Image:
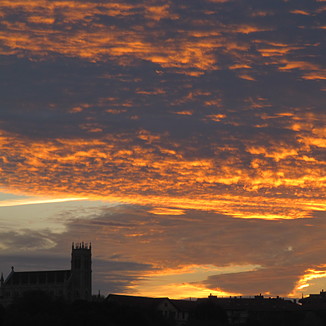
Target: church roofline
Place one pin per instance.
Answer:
(47, 272)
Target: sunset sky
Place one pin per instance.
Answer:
(184, 139)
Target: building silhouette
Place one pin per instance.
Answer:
(315, 301)
(213, 310)
(176, 311)
(71, 285)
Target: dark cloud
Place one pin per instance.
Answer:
(282, 250)
(26, 240)
(131, 245)
(280, 281)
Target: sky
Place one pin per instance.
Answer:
(184, 139)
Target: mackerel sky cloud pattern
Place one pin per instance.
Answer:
(178, 109)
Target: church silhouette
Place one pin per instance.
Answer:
(71, 285)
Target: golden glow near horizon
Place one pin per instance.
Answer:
(184, 282)
(306, 281)
(201, 124)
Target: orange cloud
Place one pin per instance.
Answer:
(300, 12)
(216, 117)
(302, 65)
(191, 51)
(247, 77)
(184, 113)
(315, 75)
(103, 42)
(247, 29)
(166, 211)
(304, 283)
(147, 174)
(160, 12)
(240, 66)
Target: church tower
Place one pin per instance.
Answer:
(81, 271)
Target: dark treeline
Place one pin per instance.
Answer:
(38, 309)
